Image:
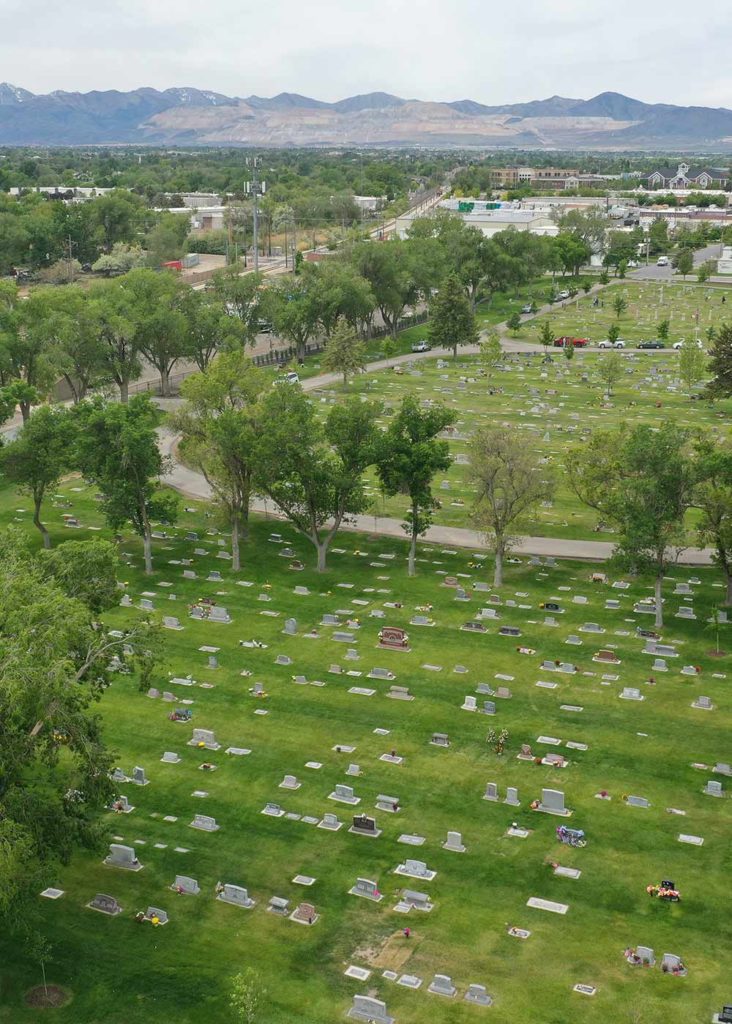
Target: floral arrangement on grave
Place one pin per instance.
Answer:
(664, 891)
(497, 740)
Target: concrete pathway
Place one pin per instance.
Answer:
(193, 485)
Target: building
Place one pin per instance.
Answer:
(685, 175)
(490, 218)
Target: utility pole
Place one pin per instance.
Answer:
(68, 247)
(255, 189)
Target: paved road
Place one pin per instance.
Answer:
(654, 273)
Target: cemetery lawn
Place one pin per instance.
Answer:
(553, 405)
(121, 972)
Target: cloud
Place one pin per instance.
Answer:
(330, 49)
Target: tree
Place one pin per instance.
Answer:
(53, 763)
(572, 252)
(685, 262)
(389, 268)
(642, 479)
(117, 449)
(568, 352)
(692, 364)
(247, 996)
(40, 455)
(509, 482)
(313, 471)
(610, 369)
(294, 305)
(120, 260)
(619, 305)
(663, 329)
(452, 321)
(155, 301)
(240, 296)
(658, 236)
(713, 499)
(720, 364)
(166, 240)
(218, 428)
(491, 353)
(26, 351)
(546, 337)
(613, 333)
(514, 323)
(85, 570)
(74, 345)
(587, 226)
(344, 353)
(410, 455)
(113, 321)
(208, 328)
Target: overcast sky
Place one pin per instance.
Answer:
(669, 51)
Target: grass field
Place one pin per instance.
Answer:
(121, 972)
(553, 405)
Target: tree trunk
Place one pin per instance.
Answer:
(147, 548)
(235, 559)
(659, 601)
(498, 571)
(165, 382)
(413, 546)
(729, 587)
(300, 348)
(124, 391)
(25, 410)
(322, 549)
(39, 525)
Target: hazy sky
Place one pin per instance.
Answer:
(667, 51)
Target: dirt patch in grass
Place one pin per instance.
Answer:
(49, 998)
(392, 954)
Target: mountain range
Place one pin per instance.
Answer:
(195, 117)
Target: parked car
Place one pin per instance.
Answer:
(561, 296)
(565, 342)
(606, 343)
(528, 308)
(651, 344)
(662, 261)
(289, 378)
(421, 346)
(680, 344)
(632, 264)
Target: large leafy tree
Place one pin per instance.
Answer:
(39, 456)
(313, 471)
(410, 455)
(113, 319)
(154, 300)
(53, 763)
(720, 364)
(209, 328)
(643, 480)
(713, 498)
(390, 271)
(218, 435)
(117, 449)
(510, 481)
(452, 321)
(240, 296)
(26, 352)
(295, 307)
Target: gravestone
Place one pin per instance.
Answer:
(470, 704)
(345, 795)
(372, 1011)
(330, 822)
(170, 757)
(489, 707)
(394, 639)
(290, 627)
(138, 776)
(290, 782)
(236, 895)
(441, 985)
(454, 842)
(703, 704)
(440, 739)
(204, 738)
(121, 856)
(279, 905)
(477, 994)
(367, 889)
(552, 802)
(105, 904)
(491, 791)
(363, 825)
(512, 797)
(186, 885)
(631, 693)
(713, 788)
(204, 823)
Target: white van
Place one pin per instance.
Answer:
(662, 261)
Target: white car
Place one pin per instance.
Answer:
(680, 344)
(662, 261)
(611, 344)
(289, 378)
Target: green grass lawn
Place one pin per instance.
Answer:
(121, 972)
(553, 405)
(686, 305)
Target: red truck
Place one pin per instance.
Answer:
(565, 342)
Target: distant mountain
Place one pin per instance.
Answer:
(197, 117)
